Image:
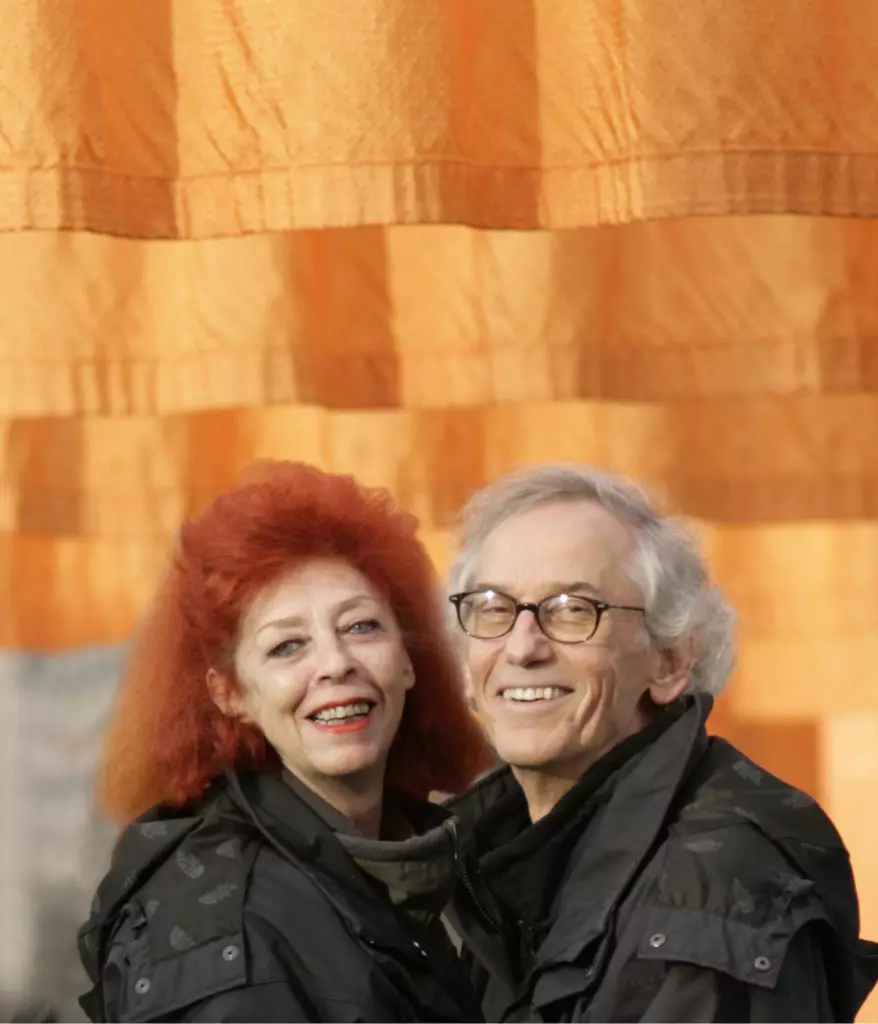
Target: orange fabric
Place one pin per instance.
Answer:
(729, 310)
(191, 118)
(190, 324)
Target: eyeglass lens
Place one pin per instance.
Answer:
(566, 617)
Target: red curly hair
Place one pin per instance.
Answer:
(168, 740)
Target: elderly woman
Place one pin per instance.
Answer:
(289, 706)
(626, 865)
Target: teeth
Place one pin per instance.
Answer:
(532, 693)
(343, 711)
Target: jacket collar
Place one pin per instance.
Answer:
(417, 871)
(299, 835)
(623, 833)
(616, 840)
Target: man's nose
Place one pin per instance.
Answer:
(526, 643)
(333, 659)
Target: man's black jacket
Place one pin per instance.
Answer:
(248, 908)
(677, 881)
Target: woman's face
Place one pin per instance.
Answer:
(322, 672)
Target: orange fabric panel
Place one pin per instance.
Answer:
(252, 116)
(447, 317)
(801, 462)
(58, 593)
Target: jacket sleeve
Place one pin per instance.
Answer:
(692, 993)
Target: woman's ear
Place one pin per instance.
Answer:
(409, 674)
(673, 671)
(226, 694)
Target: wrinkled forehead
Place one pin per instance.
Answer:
(565, 542)
(311, 586)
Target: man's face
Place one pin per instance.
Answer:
(552, 706)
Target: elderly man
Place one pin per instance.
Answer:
(625, 866)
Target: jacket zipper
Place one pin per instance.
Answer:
(464, 876)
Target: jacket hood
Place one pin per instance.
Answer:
(143, 846)
(729, 787)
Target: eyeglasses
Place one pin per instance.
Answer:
(567, 618)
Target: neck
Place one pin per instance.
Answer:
(545, 785)
(542, 789)
(360, 800)
(367, 820)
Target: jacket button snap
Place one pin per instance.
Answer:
(762, 963)
(142, 986)
(230, 952)
(658, 940)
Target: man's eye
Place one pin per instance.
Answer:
(577, 609)
(285, 649)
(363, 626)
(492, 607)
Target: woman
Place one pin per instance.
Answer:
(290, 705)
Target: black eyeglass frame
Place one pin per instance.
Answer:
(530, 606)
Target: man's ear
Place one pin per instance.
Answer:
(673, 671)
(468, 692)
(226, 694)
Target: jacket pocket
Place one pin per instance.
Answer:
(152, 989)
(753, 954)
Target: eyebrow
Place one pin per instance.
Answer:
(298, 620)
(550, 589)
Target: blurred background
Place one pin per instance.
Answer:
(426, 241)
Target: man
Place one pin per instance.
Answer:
(625, 866)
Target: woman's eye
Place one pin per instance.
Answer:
(364, 626)
(285, 649)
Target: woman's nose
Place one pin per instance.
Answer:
(333, 660)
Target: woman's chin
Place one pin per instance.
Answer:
(350, 762)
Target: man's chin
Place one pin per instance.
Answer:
(528, 758)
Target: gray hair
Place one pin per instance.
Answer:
(681, 601)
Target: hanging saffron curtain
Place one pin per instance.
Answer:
(426, 242)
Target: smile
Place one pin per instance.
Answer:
(345, 716)
(530, 694)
